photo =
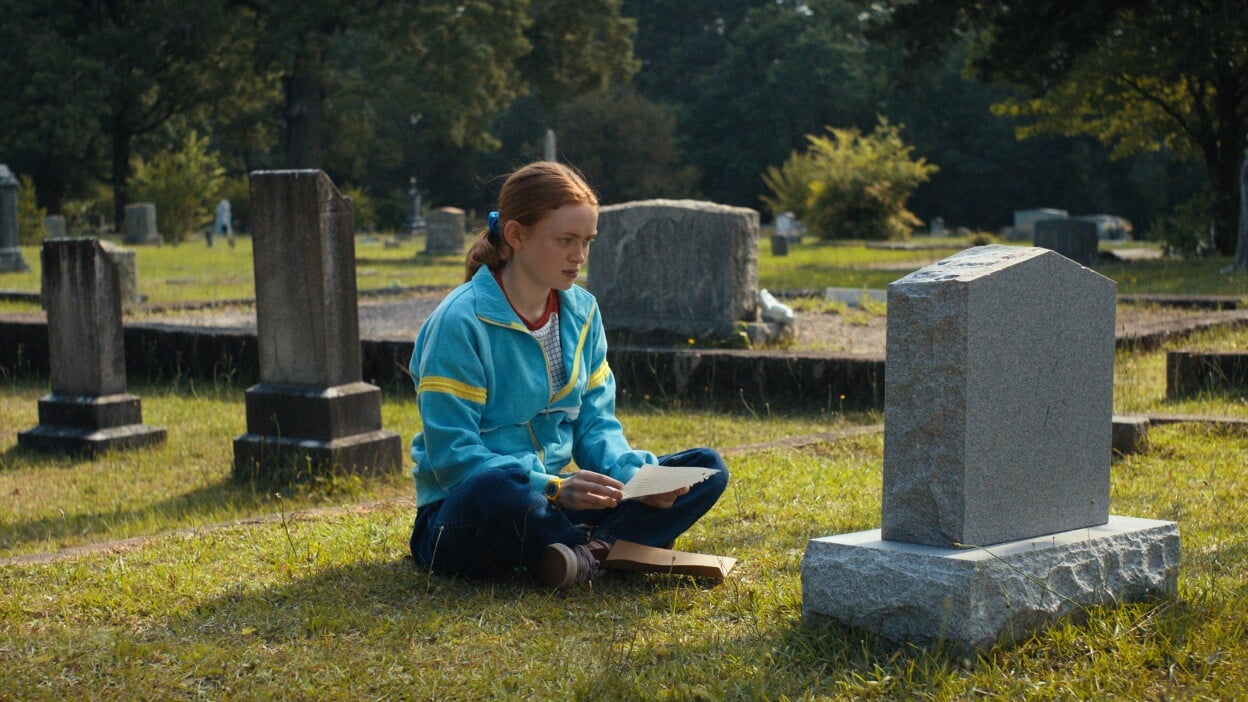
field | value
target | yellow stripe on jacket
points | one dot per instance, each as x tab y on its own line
599	376
451	386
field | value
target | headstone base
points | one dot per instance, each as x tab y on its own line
296	432
975	598
11	261
278	460
89	425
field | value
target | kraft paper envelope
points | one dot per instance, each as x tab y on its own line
626	555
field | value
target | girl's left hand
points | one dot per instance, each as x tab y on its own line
663	500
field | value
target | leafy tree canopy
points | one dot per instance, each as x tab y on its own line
1138	74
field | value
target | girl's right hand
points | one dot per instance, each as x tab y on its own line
586	489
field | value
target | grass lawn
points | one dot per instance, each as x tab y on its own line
193	272
329	607
325	605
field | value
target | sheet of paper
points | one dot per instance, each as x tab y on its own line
652	479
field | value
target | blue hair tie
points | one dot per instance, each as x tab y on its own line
492	222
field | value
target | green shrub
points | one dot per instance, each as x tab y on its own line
184	184
1186	232
90	215
30	216
850	186
362	205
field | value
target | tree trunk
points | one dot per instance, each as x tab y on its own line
1223	155
50	192
1241	245
305	96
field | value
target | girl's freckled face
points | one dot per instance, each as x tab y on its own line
552	251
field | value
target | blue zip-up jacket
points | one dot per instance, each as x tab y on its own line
483	385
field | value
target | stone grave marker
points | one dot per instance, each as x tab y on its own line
677	268
141	224
127	272
1190	372
11	260
55	226
89	409
311	413
549	149
998	412
444	231
415	224
779	245
223	220
1075	239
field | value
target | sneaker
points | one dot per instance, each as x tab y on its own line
562	566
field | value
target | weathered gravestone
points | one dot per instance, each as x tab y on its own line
549	150
415	224
675	269
779	245
310	414
1190	372
444	231
141	224
89	410
223	219
124	261
998	408
11	260
55	226
1072	238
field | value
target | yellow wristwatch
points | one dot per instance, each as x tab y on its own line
552	490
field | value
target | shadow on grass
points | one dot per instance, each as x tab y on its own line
15	454
399	607
219	501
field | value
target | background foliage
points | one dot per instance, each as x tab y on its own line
649	98
848	185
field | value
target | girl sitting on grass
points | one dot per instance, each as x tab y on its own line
513	387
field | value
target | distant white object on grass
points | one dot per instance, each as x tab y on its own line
773	310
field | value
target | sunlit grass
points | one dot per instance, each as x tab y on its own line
194	272
328	607
1140	379
55	502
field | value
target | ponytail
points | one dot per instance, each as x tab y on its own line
485	252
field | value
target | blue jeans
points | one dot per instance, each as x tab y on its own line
492	523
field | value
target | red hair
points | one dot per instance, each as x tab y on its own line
528	195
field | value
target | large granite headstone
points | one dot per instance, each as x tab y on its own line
311	413
141	224
444	231
998	412
89	409
11	260
1073	238
677	268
